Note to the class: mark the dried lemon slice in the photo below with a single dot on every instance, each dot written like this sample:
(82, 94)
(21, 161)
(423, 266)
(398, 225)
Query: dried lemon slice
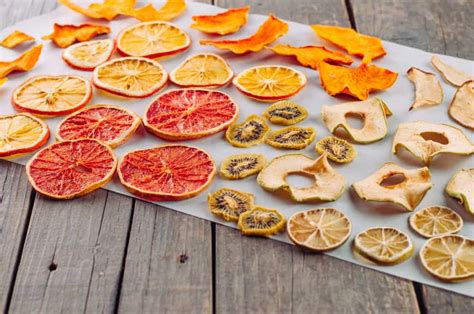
(229, 204)
(292, 137)
(152, 40)
(285, 112)
(89, 54)
(384, 245)
(130, 77)
(449, 257)
(270, 82)
(240, 166)
(320, 229)
(261, 221)
(435, 221)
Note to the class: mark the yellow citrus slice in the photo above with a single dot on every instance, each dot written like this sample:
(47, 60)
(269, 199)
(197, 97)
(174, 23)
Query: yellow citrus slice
(320, 229)
(449, 257)
(202, 70)
(130, 77)
(152, 40)
(20, 134)
(384, 245)
(435, 221)
(261, 221)
(50, 96)
(270, 82)
(89, 54)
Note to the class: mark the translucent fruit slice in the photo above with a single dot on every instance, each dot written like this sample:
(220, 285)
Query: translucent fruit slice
(88, 55)
(70, 169)
(202, 70)
(435, 221)
(110, 124)
(248, 133)
(292, 137)
(285, 112)
(229, 204)
(50, 96)
(320, 229)
(270, 82)
(337, 149)
(152, 40)
(240, 166)
(261, 221)
(384, 245)
(130, 77)
(449, 257)
(20, 134)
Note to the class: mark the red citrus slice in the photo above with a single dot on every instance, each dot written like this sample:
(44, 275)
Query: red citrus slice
(166, 173)
(70, 169)
(183, 114)
(90, 54)
(110, 124)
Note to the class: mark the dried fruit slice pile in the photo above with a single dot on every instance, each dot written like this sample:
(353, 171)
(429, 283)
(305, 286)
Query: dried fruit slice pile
(90, 54)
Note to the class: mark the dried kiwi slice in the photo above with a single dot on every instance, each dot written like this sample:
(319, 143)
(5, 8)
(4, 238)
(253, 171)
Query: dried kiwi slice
(337, 149)
(240, 166)
(285, 112)
(261, 221)
(229, 204)
(292, 137)
(249, 133)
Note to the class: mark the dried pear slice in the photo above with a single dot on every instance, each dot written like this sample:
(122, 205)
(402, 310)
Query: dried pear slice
(461, 187)
(285, 112)
(249, 133)
(240, 166)
(337, 149)
(450, 74)
(292, 137)
(461, 108)
(229, 204)
(425, 140)
(328, 184)
(372, 111)
(407, 193)
(261, 221)
(428, 90)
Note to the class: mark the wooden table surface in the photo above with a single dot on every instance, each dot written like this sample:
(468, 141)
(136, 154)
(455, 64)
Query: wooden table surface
(106, 252)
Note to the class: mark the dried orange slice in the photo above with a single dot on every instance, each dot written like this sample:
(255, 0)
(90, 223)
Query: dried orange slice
(224, 23)
(152, 40)
(384, 245)
(449, 257)
(69, 169)
(320, 229)
(435, 221)
(20, 134)
(270, 82)
(130, 77)
(202, 70)
(88, 55)
(167, 172)
(15, 38)
(261, 221)
(111, 125)
(50, 96)
(25, 62)
(65, 35)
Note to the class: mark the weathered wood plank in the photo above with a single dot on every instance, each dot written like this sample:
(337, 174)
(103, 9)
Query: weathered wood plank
(444, 302)
(12, 11)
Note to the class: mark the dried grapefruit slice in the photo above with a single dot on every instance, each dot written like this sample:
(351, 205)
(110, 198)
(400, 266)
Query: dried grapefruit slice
(20, 134)
(270, 82)
(110, 124)
(152, 40)
(435, 221)
(71, 169)
(130, 77)
(182, 114)
(50, 96)
(202, 70)
(90, 54)
(224, 23)
(167, 172)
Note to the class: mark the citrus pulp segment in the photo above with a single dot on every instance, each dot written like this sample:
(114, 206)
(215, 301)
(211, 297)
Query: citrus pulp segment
(69, 169)
(152, 40)
(435, 221)
(261, 221)
(88, 55)
(20, 134)
(52, 95)
(110, 124)
(130, 77)
(167, 172)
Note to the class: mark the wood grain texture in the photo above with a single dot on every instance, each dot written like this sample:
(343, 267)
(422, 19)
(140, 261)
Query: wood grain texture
(445, 302)
(12, 11)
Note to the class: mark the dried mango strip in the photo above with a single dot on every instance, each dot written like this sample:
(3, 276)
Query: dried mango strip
(15, 38)
(170, 10)
(108, 10)
(3, 80)
(25, 62)
(224, 23)
(66, 35)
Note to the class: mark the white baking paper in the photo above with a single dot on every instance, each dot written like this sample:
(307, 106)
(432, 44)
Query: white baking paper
(370, 157)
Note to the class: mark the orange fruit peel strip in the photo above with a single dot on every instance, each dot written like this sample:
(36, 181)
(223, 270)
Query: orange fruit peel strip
(268, 32)
(15, 38)
(108, 9)
(25, 62)
(3, 81)
(66, 35)
(224, 23)
(169, 11)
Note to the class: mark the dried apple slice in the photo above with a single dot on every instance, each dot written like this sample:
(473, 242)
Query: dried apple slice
(425, 140)
(461, 187)
(328, 184)
(15, 38)
(450, 74)
(65, 35)
(373, 112)
(461, 108)
(224, 23)
(428, 90)
(25, 62)
(383, 186)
